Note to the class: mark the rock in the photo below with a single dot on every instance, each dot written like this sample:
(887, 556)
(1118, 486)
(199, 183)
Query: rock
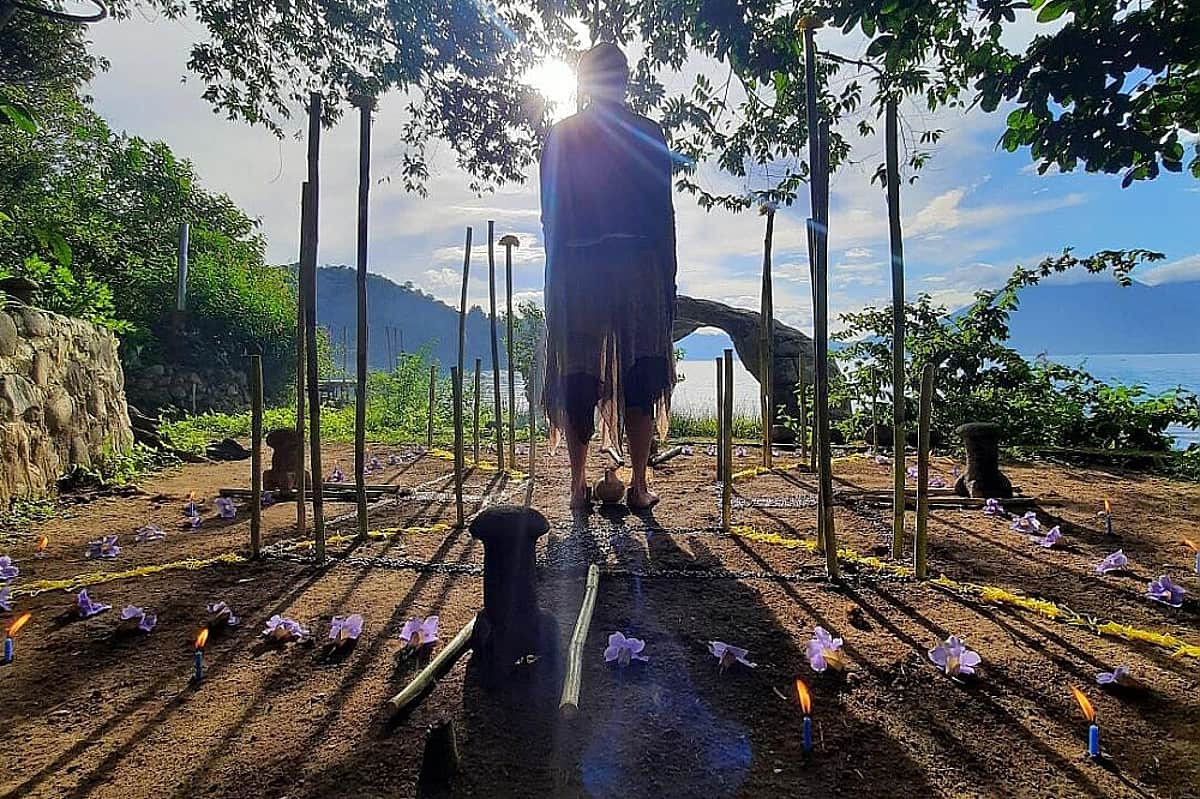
(20, 288)
(36, 323)
(59, 410)
(8, 336)
(18, 394)
(743, 327)
(41, 368)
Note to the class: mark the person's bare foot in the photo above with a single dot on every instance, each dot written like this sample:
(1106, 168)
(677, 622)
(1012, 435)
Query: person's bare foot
(640, 498)
(581, 497)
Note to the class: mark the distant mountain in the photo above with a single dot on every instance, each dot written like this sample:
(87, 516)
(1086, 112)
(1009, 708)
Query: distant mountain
(1101, 317)
(422, 320)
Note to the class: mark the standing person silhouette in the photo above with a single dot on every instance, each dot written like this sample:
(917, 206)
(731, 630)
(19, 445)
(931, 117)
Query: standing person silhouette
(609, 228)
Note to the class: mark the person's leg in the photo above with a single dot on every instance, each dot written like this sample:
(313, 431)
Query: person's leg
(582, 391)
(639, 426)
(577, 451)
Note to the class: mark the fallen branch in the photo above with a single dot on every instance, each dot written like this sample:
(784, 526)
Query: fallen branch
(569, 706)
(666, 455)
(440, 664)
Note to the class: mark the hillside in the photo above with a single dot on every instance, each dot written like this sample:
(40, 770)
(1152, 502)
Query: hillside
(1101, 317)
(423, 321)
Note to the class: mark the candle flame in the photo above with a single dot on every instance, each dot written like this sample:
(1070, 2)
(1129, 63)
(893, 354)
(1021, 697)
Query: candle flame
(805, 696)
(18, 623)
(1192, 545)
(1107, 505)
(202, 638)
(1085, 704)
(41, 544)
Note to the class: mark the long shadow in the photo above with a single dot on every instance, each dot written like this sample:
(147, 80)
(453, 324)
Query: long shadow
(216, 664)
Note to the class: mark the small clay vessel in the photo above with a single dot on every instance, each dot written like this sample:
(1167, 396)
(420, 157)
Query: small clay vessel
(610, 490)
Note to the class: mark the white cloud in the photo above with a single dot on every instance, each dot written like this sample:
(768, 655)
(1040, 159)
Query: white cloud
(857, 252)
(1183, 269)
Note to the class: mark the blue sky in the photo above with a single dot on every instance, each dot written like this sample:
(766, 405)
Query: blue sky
(973, 213)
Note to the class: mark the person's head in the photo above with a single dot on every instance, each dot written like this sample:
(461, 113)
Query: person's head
(603, 73)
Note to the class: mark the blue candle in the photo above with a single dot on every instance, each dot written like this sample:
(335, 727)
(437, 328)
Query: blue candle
(8, 650)
(807, 733)
(199, 675)
(1094, 741)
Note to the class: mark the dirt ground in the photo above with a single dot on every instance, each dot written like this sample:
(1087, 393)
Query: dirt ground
(85, 713)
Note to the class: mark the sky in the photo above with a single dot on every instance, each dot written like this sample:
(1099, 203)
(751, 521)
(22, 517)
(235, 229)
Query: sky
(973, 213)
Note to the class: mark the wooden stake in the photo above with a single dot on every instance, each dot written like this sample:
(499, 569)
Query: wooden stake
(459, 455)
(309, 266)
(256, 438)
(440, 664)
(568, 707)
(818, 227)
(532, 443)
(432, 404)
(727, 474)
(462, 306)
(891, 137)
(923, 420)
(498, 418)
(509, 243)
(301, 368)
(360, 317)
(766, 342)
(475, 434)
(720, 420)
(874, 411)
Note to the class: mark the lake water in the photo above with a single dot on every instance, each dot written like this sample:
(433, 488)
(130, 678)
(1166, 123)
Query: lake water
(696, 394)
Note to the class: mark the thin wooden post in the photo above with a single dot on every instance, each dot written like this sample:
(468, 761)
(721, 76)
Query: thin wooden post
(301, 369)
(459, 456)
(310, 269)
(720, 420)
(512, 385)
(891, 137)
(440, 664)
(874, 411)
(766, 341)
(432, 403)
(360, 347)
(256, 439)
(802, 401)
(498, 419)
(345, 353)
(568, 706)
(462, 306)
(532, 441)
(923, 420)
(727, 475)
(475, 409)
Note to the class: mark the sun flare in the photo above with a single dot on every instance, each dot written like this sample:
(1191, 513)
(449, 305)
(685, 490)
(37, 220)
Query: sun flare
(554, 79)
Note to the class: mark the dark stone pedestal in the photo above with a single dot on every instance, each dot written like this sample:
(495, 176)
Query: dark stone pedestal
(285, 461)
(511, 631)
(983, 478)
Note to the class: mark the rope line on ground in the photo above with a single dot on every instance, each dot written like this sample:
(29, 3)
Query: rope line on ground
(96, 578)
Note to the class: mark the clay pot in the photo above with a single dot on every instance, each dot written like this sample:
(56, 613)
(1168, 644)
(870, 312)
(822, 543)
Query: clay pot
(609, 490)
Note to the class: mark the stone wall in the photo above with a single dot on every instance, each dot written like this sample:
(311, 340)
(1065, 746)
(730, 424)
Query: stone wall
(62, 399)
(162, 386)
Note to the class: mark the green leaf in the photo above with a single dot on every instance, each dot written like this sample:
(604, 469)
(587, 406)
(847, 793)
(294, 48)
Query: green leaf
(18, 116)
(880, 46)
(1053, 10)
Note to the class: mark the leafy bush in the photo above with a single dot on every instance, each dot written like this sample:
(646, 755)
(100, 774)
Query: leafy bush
(980, 378)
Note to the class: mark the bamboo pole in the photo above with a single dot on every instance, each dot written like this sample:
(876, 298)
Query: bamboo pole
(360, 346)
(301, 368)
(727, 475)
(256, 440)
(432, 403)
(720, 420)
(532, 443)
(498, 418)
(475, 409)
(874, 411)
(766, 339)
(462, 306)
(509, 242)
(891, 137)
(923, 420)
(568, 707)
(459, 455)
(801, 400)
(309, 266)
(438, 666)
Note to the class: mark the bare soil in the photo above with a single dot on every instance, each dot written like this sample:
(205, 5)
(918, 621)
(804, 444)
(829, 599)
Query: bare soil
(87, 714)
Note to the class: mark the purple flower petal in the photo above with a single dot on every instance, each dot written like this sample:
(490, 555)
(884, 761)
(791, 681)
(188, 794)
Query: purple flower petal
(1053, 536)
(1027, 524)
(420, 632)
(1114, 677)
(87, 607)
(824, 651)
(281, 628)
(1113, 562)
(1165, 590)
(727, 654)
(148, 533)
(105, 548)
(5, 601)
(8, 569)
(346, 628)
(953, 657)
(992, 507)
(226, 507)
(223, 613)
(623, 650)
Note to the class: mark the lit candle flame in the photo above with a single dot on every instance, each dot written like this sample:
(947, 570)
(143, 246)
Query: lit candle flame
(18, 623)
(805, 696)
(202, 638)
(41, 544)
(1107, 506)
(1192, 545)
(1085, 704)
